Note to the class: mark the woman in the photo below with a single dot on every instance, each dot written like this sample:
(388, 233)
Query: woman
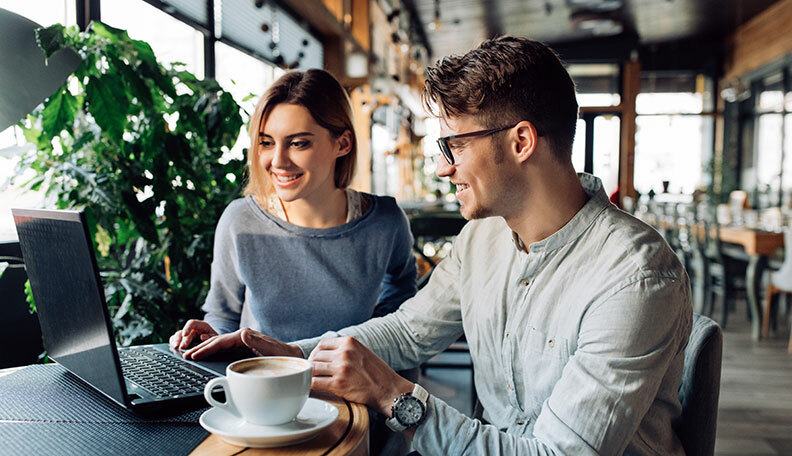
(301, 253)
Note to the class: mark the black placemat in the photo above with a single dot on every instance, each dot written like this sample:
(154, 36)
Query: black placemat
(44, 409)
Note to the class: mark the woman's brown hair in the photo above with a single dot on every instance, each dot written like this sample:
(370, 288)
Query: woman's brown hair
(321, 94)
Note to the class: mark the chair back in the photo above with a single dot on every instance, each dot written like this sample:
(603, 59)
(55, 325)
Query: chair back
(700, 388)
(20, 334)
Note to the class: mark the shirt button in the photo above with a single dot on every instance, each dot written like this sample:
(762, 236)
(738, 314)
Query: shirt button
(525, 282)
(507, 335)
(551, 342)
(520, 422)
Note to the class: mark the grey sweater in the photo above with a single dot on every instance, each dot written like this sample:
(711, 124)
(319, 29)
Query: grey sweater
(292, 282)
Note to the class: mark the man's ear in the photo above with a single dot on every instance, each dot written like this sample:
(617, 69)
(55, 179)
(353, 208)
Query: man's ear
(524, 140)
(344, 143)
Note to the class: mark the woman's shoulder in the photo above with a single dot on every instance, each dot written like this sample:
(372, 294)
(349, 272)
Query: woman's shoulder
(236, 212)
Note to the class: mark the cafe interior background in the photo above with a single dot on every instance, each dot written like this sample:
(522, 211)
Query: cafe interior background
(685, 115)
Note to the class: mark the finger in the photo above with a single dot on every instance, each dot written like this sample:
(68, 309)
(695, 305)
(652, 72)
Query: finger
(323, 384)
(319, 354)
(187, 337)
(175, 339)
(321, 369)
(331, 344)
(215, 345)
(206, 337)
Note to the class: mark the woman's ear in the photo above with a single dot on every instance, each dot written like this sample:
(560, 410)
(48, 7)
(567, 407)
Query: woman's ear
(524, 141)
(344, 143)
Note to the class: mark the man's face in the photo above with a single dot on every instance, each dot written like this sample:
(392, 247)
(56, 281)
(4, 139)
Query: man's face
(480, 172)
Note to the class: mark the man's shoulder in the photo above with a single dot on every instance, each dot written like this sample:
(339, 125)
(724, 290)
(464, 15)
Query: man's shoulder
(633, 248)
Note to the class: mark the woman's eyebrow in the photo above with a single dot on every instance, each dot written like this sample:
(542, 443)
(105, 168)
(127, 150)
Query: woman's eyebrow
(292, 136)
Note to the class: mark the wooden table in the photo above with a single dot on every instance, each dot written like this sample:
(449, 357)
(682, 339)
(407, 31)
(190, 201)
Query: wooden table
(758, 245)
(349, 435)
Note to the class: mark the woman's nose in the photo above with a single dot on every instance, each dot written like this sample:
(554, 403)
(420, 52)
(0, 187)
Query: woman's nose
(280, 157)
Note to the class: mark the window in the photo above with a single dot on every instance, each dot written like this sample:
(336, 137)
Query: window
(253, 81)
(674, 132)
(596, 84)
(769, 140)
(171, 39)
(12, 142)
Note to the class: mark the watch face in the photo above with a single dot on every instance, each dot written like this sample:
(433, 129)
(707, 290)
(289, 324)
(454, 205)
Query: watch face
(409, 411)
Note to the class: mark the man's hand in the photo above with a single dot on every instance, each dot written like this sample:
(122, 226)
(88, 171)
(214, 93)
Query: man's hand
(245, 340)
(193, 331)
(346, 368)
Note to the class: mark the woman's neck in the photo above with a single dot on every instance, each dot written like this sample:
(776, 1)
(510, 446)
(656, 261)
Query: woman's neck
(329, 212)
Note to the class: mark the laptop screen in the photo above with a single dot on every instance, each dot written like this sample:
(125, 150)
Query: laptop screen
(69, 297)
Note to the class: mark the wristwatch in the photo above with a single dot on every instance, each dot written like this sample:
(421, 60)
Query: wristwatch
(408, 410)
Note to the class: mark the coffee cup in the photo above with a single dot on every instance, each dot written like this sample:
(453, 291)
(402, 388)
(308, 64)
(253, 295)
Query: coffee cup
(267, 391)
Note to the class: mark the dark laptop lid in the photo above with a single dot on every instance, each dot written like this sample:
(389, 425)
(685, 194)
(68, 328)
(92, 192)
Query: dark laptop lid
(70, 301)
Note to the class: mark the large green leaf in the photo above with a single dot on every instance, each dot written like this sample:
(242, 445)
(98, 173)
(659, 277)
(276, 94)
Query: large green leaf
(107, 103)
(58, 112)
(50, 39)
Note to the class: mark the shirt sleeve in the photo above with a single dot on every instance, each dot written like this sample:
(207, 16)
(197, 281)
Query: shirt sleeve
(223, 305)
(626, 345)
(399, 283)
(421, 327)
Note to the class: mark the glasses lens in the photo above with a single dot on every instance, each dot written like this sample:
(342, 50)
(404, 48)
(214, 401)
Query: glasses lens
(446, 151)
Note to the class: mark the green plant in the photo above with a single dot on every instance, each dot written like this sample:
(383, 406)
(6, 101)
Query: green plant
(138, 148)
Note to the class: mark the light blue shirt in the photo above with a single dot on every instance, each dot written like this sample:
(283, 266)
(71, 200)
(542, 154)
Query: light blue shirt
(577, 346)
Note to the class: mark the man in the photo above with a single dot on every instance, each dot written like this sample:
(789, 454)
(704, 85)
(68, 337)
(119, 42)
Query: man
(576, 314)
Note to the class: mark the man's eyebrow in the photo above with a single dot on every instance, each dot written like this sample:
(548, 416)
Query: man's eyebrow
(294, 135)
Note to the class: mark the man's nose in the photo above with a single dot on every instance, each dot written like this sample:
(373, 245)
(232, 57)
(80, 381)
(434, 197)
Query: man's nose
(443, 168)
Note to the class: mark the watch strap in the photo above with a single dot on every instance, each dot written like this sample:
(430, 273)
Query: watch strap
(419, 393)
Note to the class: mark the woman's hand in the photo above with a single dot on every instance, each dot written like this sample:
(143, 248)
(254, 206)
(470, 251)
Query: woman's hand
(193, 331)
(245, 340)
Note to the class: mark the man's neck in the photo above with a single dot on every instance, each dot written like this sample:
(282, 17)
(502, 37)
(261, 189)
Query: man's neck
(553, 201)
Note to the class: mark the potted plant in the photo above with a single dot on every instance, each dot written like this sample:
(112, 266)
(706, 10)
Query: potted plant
(143, 151)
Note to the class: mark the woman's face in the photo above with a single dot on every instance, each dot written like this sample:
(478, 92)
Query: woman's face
(299, 155)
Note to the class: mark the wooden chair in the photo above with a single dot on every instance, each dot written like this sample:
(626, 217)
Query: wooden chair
(780, 282)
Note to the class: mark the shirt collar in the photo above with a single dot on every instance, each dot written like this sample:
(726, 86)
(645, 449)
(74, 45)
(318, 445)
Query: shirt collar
(597, 202)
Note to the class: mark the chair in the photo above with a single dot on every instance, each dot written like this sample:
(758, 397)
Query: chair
(20, 334)
(700, 388)
(724, 267)
(780, 282)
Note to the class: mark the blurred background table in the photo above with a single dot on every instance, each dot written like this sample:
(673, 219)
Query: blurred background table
(349, 435)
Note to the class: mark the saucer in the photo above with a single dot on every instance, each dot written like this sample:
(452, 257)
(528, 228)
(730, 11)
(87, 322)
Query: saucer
(314, 416)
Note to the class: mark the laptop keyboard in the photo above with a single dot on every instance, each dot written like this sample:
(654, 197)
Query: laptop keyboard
(160, 374)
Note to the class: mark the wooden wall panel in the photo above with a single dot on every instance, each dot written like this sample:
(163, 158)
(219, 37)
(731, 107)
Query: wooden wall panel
(761, 40)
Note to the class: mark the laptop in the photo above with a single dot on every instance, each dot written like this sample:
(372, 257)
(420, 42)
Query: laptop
(76, 326)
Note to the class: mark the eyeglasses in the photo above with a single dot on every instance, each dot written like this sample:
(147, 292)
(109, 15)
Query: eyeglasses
(446, 150)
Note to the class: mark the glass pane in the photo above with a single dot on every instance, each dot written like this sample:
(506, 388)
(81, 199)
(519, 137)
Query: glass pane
(670, 148)
(788, 152)
(171, 39)
(44, 12)
(606, 151)
(771, 100)
(242, 76)
(669, 103)
(771, 96)
(579, 147)
(768, 157)
(598, 99)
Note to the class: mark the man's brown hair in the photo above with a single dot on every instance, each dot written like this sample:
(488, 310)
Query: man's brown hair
(504, 81)
(322, 95)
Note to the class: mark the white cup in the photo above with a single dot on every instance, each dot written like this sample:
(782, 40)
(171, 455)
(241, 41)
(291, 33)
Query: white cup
(268, 391)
